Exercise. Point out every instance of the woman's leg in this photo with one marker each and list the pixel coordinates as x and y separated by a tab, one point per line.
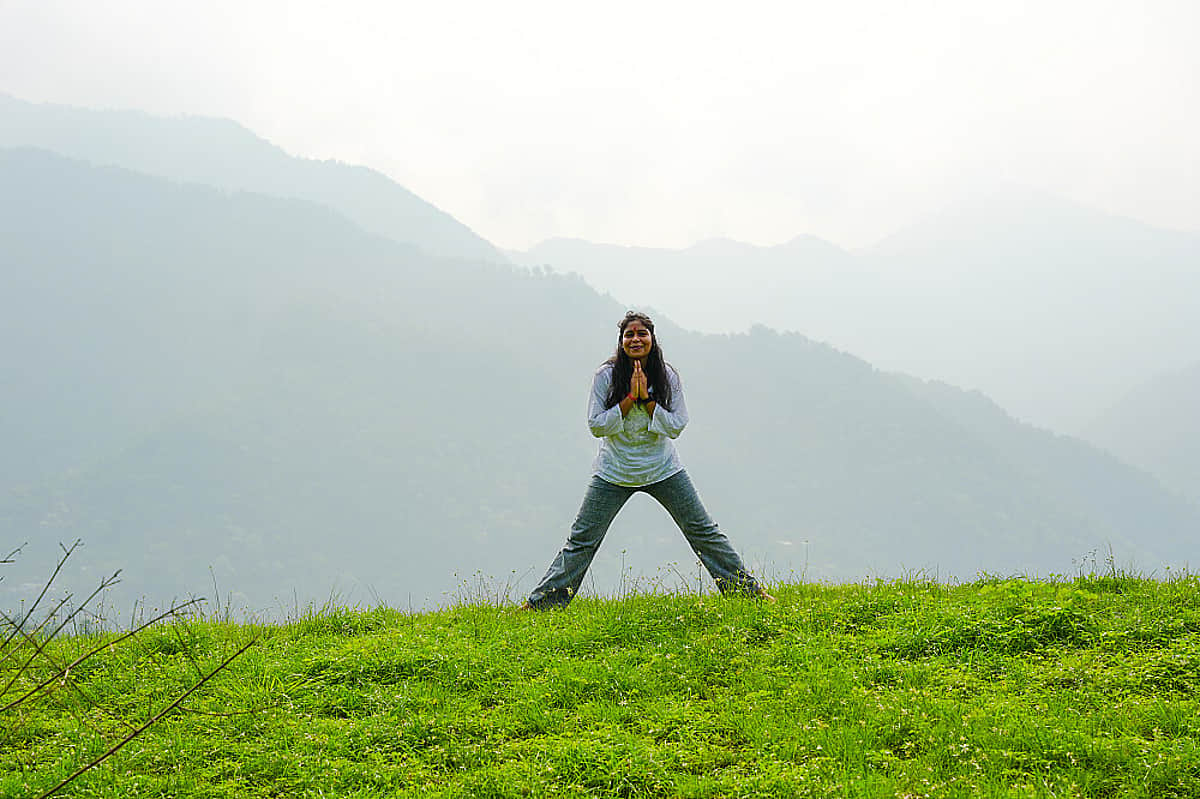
600	505
679	497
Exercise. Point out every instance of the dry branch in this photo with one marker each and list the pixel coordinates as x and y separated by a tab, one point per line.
117	746
174	610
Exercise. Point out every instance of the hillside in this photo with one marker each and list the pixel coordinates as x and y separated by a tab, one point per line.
1049	308
1082	688
1156	427
223	154
255	392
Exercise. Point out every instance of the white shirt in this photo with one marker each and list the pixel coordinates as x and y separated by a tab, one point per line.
635	450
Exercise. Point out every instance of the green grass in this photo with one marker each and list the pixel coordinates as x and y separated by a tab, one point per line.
1084	687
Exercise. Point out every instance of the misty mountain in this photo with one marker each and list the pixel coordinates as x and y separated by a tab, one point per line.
225	155
1067	306
1156	427
256	384
199	380
1052	309
719	285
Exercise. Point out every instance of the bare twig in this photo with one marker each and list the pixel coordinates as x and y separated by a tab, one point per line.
117	746
62	562
174	610
9	557
10	650
105	583
62	671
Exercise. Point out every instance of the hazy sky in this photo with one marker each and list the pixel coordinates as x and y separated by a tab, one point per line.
664	123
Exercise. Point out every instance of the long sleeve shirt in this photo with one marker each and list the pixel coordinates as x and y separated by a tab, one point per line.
637	449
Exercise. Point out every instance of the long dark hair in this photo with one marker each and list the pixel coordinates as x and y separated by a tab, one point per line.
654	366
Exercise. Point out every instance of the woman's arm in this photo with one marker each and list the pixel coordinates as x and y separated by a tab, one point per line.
669	423
605	421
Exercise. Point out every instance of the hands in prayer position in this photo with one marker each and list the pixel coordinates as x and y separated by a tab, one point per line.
639	391
638	385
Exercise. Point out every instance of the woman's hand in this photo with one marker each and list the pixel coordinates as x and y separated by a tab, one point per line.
635	387
639	377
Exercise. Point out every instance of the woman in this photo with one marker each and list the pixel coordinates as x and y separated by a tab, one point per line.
636	409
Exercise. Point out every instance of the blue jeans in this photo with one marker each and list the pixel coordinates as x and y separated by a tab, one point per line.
600	506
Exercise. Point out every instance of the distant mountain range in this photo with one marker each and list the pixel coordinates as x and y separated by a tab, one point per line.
1054	310
1157	427
196	379
223	154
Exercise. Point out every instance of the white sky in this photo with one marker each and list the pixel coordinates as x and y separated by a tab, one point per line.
664	123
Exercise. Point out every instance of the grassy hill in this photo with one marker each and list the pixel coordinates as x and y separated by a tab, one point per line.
1002	687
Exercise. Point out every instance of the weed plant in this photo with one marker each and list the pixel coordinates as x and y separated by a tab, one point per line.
1083	687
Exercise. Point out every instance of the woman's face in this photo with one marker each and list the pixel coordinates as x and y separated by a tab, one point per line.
636	340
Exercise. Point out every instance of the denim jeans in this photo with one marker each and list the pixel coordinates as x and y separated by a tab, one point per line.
600	506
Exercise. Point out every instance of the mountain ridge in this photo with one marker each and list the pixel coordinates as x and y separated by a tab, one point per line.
1155	427
227	155
1041	303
